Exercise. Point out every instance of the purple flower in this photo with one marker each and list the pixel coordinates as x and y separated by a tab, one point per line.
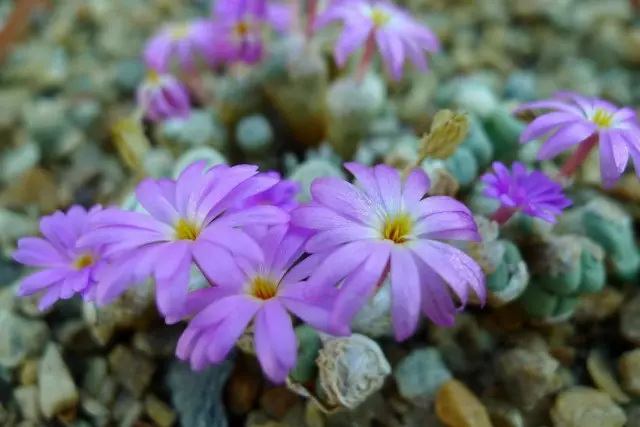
180	44
379	23
585	122
187	217
262	292
66	267
386	225
239	26
532	193
162	96
283	194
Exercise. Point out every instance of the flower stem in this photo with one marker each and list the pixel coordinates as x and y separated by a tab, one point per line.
578	157
367	57
312	10
502	215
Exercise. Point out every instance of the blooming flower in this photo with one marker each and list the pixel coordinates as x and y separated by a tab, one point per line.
369	23
533	193
388	226
259	291
186	218
162	96
586	122
180	44
66	267
282	194
239	27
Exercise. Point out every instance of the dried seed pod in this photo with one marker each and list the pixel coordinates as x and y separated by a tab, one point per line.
351	369
131	142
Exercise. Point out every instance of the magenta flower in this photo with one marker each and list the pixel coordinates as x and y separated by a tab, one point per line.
66	267
261	292
387	226
180	44
532	193
585	122
371	23
187	217
239	27
162	96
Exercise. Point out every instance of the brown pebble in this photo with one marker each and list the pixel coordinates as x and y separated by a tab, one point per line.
29	372
277	401
131	369
457	406
243	386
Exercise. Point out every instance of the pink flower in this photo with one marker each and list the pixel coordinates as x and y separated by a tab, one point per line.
388	226
182	45
186	218
66	267
162	96
379	23
576	120
262	292
239	27
283	194
532	193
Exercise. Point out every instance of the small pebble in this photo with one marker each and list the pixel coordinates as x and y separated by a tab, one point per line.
586	407
629	365
161	413
58	392
131	369
457	406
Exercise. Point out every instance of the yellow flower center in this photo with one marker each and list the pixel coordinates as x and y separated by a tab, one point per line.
397	228
380	17
603	119
186	230
242	28
263	289
84	260
179	32
153	77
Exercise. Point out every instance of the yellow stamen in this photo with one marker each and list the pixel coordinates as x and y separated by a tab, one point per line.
153	77
397	228
179	32
603	119
83	261
380	17
186	230
242	28
263	289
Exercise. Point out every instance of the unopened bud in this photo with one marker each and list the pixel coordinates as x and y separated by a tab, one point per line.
448	130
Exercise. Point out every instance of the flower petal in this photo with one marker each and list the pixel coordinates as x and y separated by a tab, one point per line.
405	293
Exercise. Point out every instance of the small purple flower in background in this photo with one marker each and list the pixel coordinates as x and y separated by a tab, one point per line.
162	96
586	122
181	45
532	193
283	194
259	291
239	26
186	218
66	268
378	23
388	226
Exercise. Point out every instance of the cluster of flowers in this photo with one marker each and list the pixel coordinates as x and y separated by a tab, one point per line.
264	256
235	34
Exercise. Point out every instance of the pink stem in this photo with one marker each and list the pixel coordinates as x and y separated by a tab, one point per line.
578	157
312	11
502	215
367	57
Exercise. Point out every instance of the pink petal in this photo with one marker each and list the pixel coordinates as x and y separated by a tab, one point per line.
234	240
546	123
390	187
359	286
222	184
549	105
448	226
415	188
392	52
437	303
318	218
231	328
275	342
352	37
614	156
190	178
345	198
366	180
151	198
331	238
254	215
343	261
217	265
41	280
565	138
405	293
197	301
438	204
